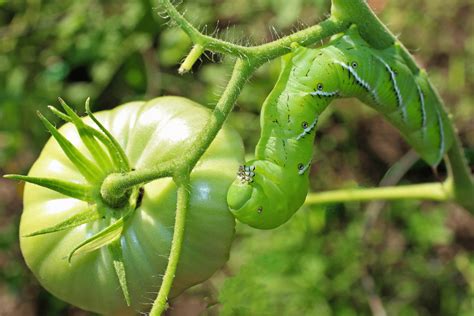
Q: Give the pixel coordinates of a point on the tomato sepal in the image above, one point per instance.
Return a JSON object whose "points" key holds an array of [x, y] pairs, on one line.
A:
{"points": [[78, 191], [73, 221]]}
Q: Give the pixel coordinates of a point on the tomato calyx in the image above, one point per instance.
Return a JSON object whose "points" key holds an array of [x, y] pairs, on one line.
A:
{"points": [[106, 157]]}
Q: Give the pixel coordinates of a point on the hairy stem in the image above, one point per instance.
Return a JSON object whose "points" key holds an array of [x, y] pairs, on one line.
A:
{"points": [[184, 188], [264, 52], [116, 185], [305, 37], [197, 37], [243, 70]]}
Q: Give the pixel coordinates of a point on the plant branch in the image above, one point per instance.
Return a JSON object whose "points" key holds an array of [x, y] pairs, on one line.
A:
{"points": [[194, 55], [264, 52], [243, 70], [425, 191], [305, 37], [197, 37], [115, 186], [184, 188]]}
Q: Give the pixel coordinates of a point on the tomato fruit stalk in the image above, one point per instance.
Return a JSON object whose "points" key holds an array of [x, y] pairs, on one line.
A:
{"points": [[109, 256]]}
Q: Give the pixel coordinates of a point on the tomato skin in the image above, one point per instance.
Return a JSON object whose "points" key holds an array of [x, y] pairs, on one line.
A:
{"points": [[149, 132]]}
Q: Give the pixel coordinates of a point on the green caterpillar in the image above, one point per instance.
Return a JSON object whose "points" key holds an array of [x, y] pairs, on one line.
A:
{"points": [[269, 189]]}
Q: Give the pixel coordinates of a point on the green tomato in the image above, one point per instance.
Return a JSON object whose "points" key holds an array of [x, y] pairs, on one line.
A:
{"points": [[150, 133]]}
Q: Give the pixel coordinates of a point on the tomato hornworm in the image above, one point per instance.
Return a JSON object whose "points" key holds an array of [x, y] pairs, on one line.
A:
{"points": [[269, 189]]}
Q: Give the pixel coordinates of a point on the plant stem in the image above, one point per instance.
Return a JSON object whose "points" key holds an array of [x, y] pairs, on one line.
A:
{"points": [[193, 55], [243, 70], [426, 191], [305, 37], [371, 28], [463, 183], [115, 185], [197, 37], [160, 303], [265, 52]]}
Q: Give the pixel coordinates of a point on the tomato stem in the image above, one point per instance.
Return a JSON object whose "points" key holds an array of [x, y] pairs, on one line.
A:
{"points": [[184, 189], [115, 186], [425, 191]]}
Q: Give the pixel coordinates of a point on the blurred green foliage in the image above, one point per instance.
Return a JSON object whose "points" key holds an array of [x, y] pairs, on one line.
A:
{"points": [[325, 262], [413, 259]]}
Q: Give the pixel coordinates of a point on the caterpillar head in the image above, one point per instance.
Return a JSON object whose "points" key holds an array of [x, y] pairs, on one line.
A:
{"points": [[265, 195]]}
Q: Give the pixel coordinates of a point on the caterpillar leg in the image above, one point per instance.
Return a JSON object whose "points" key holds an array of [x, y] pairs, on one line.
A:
{"points": [[264, 195]]}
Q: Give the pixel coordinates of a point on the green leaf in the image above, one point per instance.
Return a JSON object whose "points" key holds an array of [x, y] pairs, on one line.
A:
{"points": [[122, 158], [119, 266], [86, 167], [73, 221], [87, 137], [75, 190]]}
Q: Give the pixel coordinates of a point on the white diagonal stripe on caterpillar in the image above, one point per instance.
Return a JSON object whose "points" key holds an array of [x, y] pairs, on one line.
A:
{"points": [[303, 170], [359, 80], [422, 105], [441, 134], [395, 87], [324, 93], [308, 129]]}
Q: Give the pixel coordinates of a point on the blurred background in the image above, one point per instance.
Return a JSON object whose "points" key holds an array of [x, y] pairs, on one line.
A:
{"points": [[403, 258]]}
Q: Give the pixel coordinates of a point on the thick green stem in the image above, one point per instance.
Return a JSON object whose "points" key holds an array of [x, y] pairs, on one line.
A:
{"points": [[371, 28], [116, 185], [427, 191], [160, 304]]}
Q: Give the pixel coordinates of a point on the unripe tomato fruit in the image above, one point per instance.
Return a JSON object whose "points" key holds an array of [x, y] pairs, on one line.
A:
{"points": [[150, 133]]}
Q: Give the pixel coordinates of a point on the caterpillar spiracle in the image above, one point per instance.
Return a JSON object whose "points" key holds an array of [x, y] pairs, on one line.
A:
{"points": [[269, 189]]}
